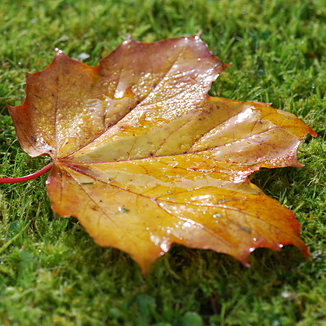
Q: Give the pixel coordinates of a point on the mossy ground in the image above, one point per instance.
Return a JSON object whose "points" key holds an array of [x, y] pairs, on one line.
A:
{"points": [[52, 273]]}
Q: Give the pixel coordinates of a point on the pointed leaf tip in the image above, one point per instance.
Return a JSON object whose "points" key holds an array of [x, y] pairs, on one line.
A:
{"points": [[129, 38]]}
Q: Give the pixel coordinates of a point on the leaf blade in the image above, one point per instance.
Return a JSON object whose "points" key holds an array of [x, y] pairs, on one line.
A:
{"points": [[144, 158], [154, 210]]}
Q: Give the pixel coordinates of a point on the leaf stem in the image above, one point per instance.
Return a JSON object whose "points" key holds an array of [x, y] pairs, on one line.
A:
{"points": [[27, 177]]}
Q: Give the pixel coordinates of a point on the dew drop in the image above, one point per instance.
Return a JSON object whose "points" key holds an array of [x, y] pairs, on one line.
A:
{"points": [[164, 246], [123, 209], [217, 215], [119, 94], [244, 228]]}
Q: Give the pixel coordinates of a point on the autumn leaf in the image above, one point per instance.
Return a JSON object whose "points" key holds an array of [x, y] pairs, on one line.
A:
{"points": [[144, 158]]}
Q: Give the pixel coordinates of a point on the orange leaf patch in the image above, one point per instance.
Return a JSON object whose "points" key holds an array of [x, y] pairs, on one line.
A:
{"points": [[144, 158]]}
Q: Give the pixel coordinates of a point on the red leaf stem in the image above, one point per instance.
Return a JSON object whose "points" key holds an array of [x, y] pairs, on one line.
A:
{"points": [[27, 177]]}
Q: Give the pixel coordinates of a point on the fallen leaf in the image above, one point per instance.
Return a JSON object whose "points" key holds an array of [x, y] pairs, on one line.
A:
{"points": [[144, 158]]}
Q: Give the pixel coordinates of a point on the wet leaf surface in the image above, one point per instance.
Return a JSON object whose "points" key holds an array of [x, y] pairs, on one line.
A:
{"points": [[144, 158]]}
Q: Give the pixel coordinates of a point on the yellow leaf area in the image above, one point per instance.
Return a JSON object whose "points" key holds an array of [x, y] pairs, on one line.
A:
{"points": [[144, 158]]}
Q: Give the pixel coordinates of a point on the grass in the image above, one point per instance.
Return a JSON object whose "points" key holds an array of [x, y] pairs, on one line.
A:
{"points": [[52, 273]]}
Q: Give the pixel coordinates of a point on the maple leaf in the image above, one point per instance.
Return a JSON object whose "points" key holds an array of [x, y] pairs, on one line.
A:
{"points": [[144, 158]]}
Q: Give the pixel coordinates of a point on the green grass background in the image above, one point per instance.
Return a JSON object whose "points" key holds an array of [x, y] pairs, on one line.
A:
{"points": [[52, 273]]}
